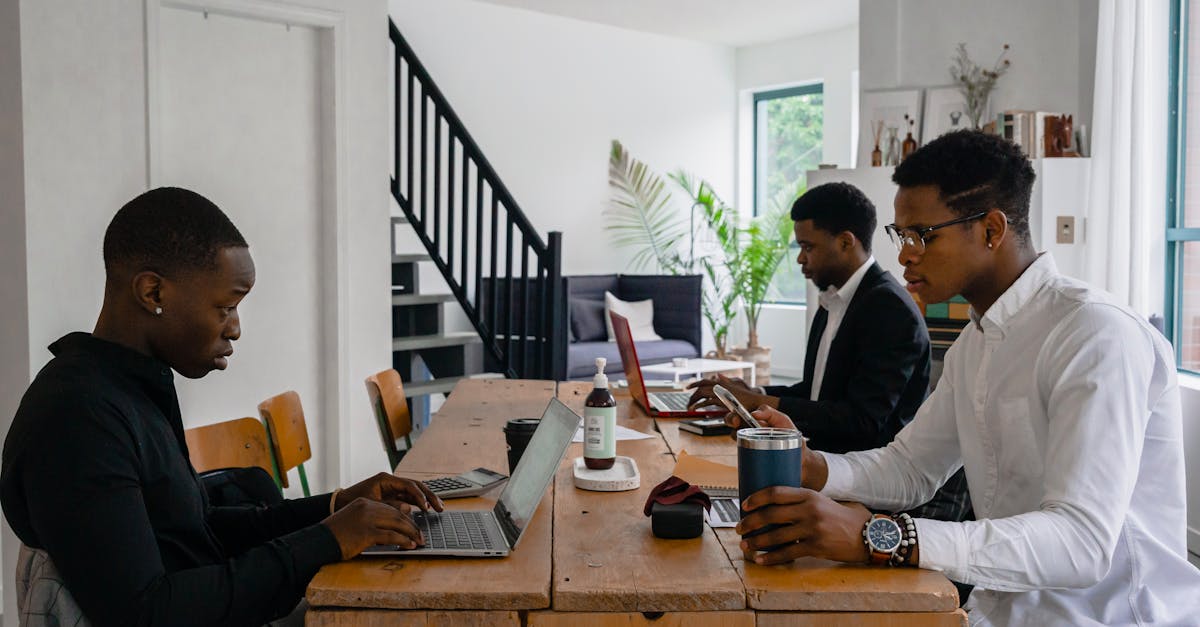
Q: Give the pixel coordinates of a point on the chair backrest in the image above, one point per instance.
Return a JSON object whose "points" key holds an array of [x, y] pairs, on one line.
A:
{"points": [[288, 434], [43, 599], [386, 393], [238, 443]]}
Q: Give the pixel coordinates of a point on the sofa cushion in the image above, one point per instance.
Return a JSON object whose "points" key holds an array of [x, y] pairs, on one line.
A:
{"points": [[581, 355], [587, 320], [640, 315]]}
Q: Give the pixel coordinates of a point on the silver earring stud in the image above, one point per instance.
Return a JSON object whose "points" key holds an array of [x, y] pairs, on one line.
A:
{"points": [[989, 246], [158, 310]]}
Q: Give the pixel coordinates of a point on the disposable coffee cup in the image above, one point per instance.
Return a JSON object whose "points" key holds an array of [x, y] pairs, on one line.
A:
{"points": [[517, 433], [767, 457]]}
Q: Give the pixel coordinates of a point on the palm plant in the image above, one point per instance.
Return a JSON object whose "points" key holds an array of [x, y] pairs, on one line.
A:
{"points": [[640, 215], [766, 244], [751, 254], [720, 302]]}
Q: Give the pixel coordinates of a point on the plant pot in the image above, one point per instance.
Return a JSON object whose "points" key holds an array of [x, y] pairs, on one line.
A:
{"points": [[761, 356]]}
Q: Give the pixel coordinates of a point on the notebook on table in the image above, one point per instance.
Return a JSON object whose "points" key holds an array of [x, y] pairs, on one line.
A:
{"points": [[657, 404], [718, 480], [495, 532]]}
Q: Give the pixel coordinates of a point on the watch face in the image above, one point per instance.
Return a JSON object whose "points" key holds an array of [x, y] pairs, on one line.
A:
{"points": [[884, 535]]}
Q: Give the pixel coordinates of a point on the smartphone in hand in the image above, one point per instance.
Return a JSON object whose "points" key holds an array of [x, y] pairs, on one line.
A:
{"points": [[734, 405]]}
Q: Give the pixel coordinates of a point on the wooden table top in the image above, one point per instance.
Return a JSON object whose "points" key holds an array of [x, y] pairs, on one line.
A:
{"points": [[602, 557], [606, 558]]}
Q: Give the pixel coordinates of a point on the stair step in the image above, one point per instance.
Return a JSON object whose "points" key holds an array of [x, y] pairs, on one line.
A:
{"points": [[418, 342], [421, 299], [410, 258], [443, 385]]}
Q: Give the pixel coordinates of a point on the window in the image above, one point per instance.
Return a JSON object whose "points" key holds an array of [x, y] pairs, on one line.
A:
{"points": [[788, 135], [1183, 188]]}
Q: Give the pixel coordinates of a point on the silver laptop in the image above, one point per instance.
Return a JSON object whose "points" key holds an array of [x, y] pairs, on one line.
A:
{"points": [[495, 533]]}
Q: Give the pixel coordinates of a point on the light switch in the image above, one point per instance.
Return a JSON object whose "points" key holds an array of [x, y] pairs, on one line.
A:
{"points": [[1064, 228]]}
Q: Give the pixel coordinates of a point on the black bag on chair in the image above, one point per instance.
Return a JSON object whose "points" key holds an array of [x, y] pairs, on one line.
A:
{"points": [[240, 486]]}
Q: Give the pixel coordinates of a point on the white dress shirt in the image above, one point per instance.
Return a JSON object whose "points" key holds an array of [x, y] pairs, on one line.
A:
{"points": [[1064, 408], [834, 300]]}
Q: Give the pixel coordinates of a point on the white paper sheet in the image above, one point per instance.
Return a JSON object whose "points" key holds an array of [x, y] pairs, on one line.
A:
{"points": [[623, 433]]}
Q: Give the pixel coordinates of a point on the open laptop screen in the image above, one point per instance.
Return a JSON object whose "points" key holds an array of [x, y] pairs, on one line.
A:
{"points": [[629, 361], [536, 469]]}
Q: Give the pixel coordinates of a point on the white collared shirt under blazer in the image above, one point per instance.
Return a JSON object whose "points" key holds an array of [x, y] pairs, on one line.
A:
{"points": [[835, 300], [1064, 408]]}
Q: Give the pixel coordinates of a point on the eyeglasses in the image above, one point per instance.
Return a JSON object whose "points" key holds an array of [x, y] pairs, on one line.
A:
{"points": [[915, 238]]}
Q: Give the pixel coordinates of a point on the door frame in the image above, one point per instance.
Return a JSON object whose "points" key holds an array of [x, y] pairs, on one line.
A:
{"points": [[335, 267]]}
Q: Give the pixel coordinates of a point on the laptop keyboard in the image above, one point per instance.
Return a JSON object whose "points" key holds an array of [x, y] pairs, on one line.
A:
{"points": [[453, 530], [672, 401]]}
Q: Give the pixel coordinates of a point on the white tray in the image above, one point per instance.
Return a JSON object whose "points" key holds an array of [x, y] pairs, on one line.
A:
{"points": [[622, 476]]}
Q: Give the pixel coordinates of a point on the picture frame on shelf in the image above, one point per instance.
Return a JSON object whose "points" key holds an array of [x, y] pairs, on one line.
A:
{"points": [[945, 110], [890, 106]]}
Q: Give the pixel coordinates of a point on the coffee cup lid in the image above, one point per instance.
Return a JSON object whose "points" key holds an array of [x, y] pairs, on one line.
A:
{"points": [[768, 439], [522, 424]]}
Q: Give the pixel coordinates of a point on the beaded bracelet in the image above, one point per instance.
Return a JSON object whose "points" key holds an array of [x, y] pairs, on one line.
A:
{"points": [[908, 540]]}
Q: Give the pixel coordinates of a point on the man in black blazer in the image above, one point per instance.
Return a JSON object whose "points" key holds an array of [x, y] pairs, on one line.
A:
{"points": [[866, 370]]}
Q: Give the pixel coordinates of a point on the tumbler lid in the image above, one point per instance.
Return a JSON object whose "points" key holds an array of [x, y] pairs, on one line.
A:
{"points": [[522, 425], [768, 439]]}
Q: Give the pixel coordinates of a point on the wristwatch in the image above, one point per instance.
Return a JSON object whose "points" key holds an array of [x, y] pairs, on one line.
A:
{"points": [[882, 536]]}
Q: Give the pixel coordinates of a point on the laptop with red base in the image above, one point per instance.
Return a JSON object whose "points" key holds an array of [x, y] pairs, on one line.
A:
{"points": [[659, 404]]}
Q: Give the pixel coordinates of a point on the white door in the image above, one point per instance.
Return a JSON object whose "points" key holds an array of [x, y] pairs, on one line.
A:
{"points": [[240, 122]]}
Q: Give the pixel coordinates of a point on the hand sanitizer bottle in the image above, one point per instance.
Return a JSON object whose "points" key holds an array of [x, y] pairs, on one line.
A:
{"points": [[600, 423]]}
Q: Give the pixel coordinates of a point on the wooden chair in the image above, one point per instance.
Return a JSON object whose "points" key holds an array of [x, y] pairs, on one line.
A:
{"points": [[386, 392], [239, 443], [284, 418]]}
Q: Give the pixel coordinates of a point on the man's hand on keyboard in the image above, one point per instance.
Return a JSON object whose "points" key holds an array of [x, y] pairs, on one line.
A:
{"points": [[704, 396], [364, 523], [389, 489]]}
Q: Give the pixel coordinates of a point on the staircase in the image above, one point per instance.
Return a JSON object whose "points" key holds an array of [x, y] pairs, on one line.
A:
{"points": [[504, 276], [430, 359]]}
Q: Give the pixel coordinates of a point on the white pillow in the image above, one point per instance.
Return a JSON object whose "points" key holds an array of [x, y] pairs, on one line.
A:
{"points": [[640, 315]]}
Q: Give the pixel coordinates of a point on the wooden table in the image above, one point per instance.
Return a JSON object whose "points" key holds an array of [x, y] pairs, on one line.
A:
{"points": [[589, 558]]}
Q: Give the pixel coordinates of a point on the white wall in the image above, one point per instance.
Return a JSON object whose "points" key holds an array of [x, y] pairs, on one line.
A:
{"points": [[830, 58], [14, 332], [543, 96], [909, 43], [214, 73], [83, 118]]}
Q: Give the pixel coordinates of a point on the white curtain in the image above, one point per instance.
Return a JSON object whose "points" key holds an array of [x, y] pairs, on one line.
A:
{"points": [[1124, 232]]}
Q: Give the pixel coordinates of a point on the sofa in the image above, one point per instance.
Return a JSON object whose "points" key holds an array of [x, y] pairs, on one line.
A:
{"points": [[677, 319]]}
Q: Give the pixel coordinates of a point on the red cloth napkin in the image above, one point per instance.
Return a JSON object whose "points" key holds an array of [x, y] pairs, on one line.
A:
{"points": [[675, 490]]}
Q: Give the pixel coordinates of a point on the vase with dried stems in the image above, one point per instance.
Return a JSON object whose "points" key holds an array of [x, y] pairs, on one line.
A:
{"points": [[976, 83], [877, 154]]}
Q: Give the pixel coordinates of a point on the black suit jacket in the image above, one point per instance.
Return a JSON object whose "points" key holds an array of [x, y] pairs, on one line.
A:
{"points": [[876, 374]]}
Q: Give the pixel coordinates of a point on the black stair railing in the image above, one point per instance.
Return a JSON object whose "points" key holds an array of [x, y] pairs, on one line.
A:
{"points": [[506, 278]]}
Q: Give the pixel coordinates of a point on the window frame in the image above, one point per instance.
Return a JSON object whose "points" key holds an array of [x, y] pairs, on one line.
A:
{"points": [[1176, 235], [815, 87], [805, 89]]}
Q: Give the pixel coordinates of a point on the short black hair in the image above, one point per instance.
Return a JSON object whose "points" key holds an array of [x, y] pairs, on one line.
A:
{"points": [[168, 230], [974, 172], [837, 207]]}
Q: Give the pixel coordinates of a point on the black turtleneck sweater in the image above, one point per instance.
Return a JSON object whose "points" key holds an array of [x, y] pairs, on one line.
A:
{"points": [[96, 472]]}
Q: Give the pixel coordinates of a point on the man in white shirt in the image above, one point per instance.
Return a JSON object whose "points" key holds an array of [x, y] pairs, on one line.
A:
{"points": [[1062, 406]]}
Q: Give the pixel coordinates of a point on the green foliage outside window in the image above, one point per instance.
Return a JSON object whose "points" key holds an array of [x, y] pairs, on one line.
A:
{"points": [[789, 133]]}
